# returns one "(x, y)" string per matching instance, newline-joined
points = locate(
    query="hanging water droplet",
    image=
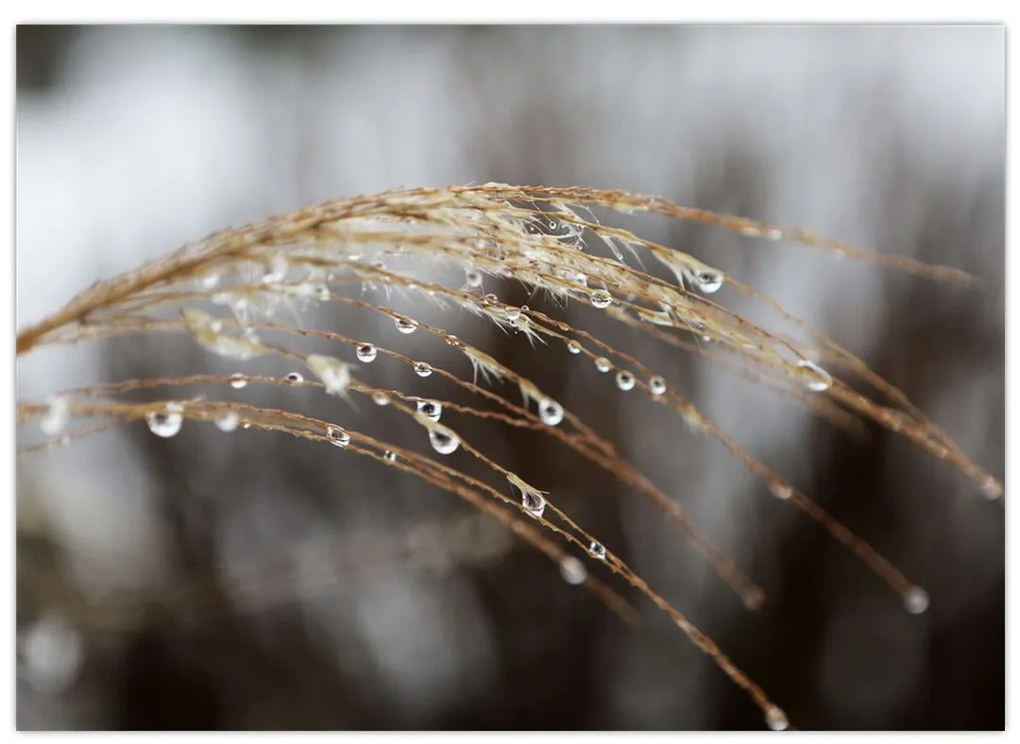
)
(338, 437)
(550, 412)
(708, 280)
(781, 490)
(657, 385)
(432, 409)
(776, 720)
(573, 347)
(366, 353)
(473, 278)
(597, 550)
(573, 571)
(422, 369)
(238, 381)
(490, 299)
(390, 456)
(381, 399)
(534, 503)
(294, 378)
(56, 416)
(916, 600)
(406, 325)
(443, 440)
(625, 380)
(228, 421)
(816, 378)
(511, 313)
(603, 365)
(600, 299)
(165, 423)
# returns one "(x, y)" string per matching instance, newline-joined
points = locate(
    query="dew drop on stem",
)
(366, 353)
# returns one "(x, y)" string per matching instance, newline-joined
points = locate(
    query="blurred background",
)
(219, 581)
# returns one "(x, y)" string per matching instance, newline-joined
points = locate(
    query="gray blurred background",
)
(221, 581)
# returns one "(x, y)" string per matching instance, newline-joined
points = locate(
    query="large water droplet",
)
(708, 280)
(337, 436)
(600, 299)
(381, 399)
(776, 720)
(366, 353)
(573, 347)
(473, 278)
(422, 369)
(625, 380)
(165, 423)
(916, 600)
(443, 440)
(228, 421)
(816, 378)
(550, 412)
(533, 503)
(294, 378)
(406, 325)
(573, 571)
(597, 550)
(657, 385)
(432, 409)
(603, 365)
(238, 381)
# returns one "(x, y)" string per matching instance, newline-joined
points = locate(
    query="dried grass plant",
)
(241, 294)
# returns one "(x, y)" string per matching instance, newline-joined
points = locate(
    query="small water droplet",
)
(366, 353)
(165, 423)
(625, 381)
(603, 365)
(432, 409)
(657, 385)
(533, 503)
(490, 299)
(422, 369)
(443, 440)
(390, 456)
(238, 381)
(381, 399)
(776, 720)
(294, 378)
(56, 416)
(511, 313)
(597, 550)
(573, 571)
(337, 436)
(210, 280)
(573, 347)
(916, 600)
(600, 299)
(473, 278)
(228, 421)
(708, 280)
(406, 325)
(781, 490)
(991, 488)
(816, 378)
(550, 412)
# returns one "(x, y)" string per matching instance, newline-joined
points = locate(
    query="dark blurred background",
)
(219, 581)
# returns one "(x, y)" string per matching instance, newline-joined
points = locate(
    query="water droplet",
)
(550, 412)
(781, 490)
(210, 280)
(625, 380)
(490, 299)
(600, 299)
(916, 600)
(573, 571)
(390, 456)
(776, 720)
(443, 440)
(381, 399)
(165, 423)
(294, 378)
(657, 385)
(603, 365)
(228, 421)
(422, 369)
(512, 313)
(533, 503)
(473, 278)
(432, 409)
(573, 347)
(816, 378)
(366, 353)
(991, 488)
(56, 416)
(238, 381)
(708, 280)
(597, 550)
(406, 325)
(338, 437)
